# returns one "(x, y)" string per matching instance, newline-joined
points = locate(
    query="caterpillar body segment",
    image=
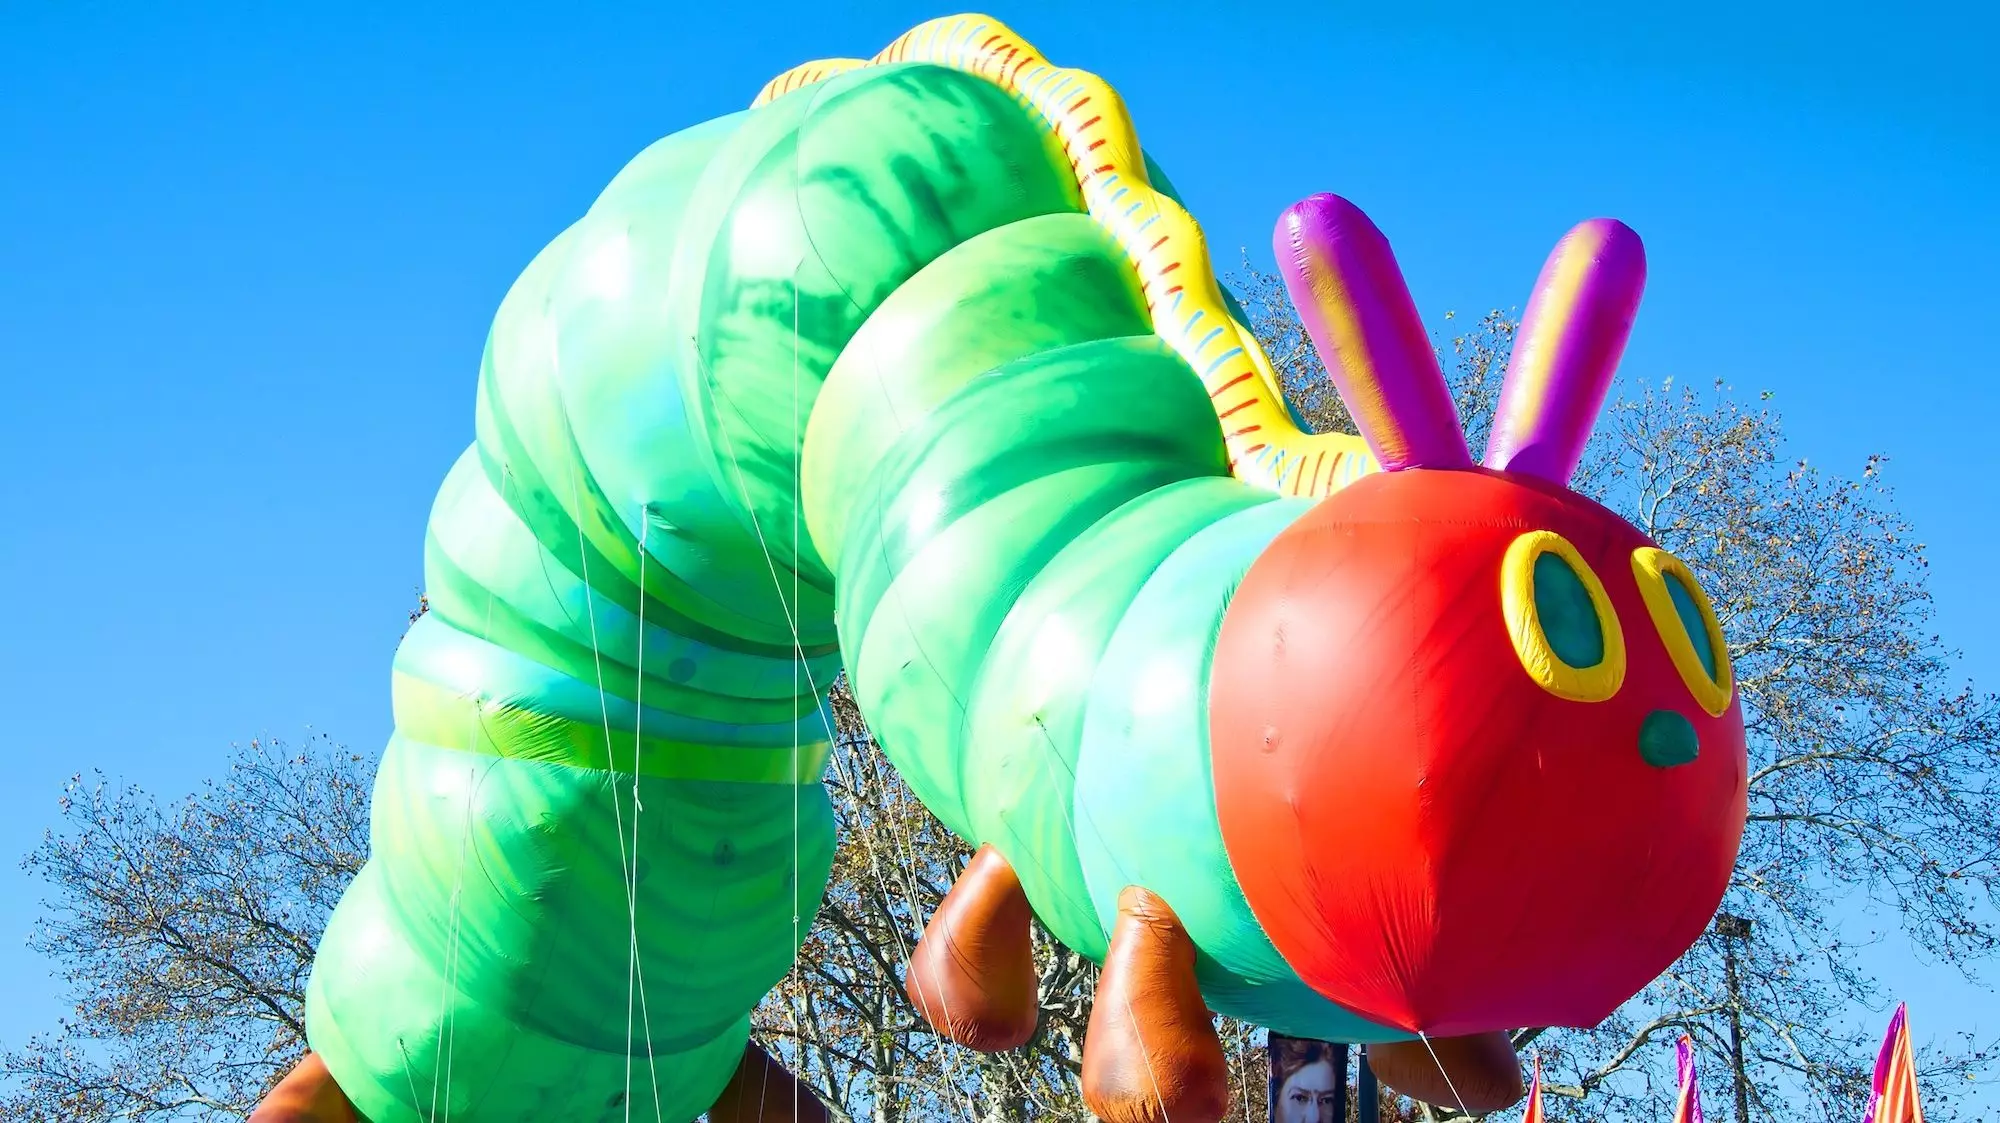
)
(1124, 191)
(479, 965)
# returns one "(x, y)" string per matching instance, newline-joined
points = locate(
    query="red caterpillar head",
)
(1478, 758)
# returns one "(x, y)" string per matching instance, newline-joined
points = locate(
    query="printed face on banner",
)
(1305, 1082)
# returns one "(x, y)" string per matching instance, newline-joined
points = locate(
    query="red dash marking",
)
(1095, 144)
(1242, 431)
(1254, 448)
(1090, 122)
(1174, 290)
(1158, 244)
(1228, 384)
(989, 43)
(1079, 104)
(1170, 268)
(1238, 407)
(1316, 464)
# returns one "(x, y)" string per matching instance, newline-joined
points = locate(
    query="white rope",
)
(635, 976)
(447, 976)
(638, 732)
(900, 833)
(903, 948)
(450, 1038)
(909, 851)
(625, 863)
(1458, 1101)
(1076, 847)
(448, 1010)
(631, 868)
(410, 1076)
(798, 649)
(788, 610)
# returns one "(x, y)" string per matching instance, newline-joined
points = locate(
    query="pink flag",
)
(1534, 1114)
(1687, 1102)
(1894, 1099)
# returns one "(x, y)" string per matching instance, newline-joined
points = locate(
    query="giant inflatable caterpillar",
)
(917, 368)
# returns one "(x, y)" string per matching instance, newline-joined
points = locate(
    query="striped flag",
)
(1894, 1099)
(1687, 1102)
(1534, 1114)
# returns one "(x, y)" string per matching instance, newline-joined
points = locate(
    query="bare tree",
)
(842, 1019)
(185, 932)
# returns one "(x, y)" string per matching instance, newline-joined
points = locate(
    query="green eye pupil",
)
(1569, 619)
(1691, 619)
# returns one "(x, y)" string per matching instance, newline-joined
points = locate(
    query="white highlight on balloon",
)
(1056, 662)
(1162, 687)
(607, 271)
(925, 511)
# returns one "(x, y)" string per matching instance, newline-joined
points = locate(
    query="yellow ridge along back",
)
(1163, 242)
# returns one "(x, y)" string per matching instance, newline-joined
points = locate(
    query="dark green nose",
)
(1666, 739)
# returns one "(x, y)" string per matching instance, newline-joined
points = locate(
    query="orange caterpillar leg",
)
(764, 1091)
(306, 1095)
(972, 976)
(1151, 1055)
(1480, 1069)
(973, 972)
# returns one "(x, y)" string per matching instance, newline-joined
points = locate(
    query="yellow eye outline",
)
(1524, 621)
(1652, 567)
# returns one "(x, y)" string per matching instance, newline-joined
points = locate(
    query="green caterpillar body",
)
(857, 354)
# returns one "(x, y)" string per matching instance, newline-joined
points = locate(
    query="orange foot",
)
(1151, 1055)
(1477, 1073)
(306, 1095)
(972, 976)
(764, 1091)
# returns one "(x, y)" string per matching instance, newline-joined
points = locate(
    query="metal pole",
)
(1371, 1096)
(1340, 1060)
(1733, 929)
(1736, 1034)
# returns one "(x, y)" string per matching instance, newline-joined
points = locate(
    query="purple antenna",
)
(1572, 337)
(1356, 307)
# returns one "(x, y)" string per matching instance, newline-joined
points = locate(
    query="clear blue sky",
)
(248, 254)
